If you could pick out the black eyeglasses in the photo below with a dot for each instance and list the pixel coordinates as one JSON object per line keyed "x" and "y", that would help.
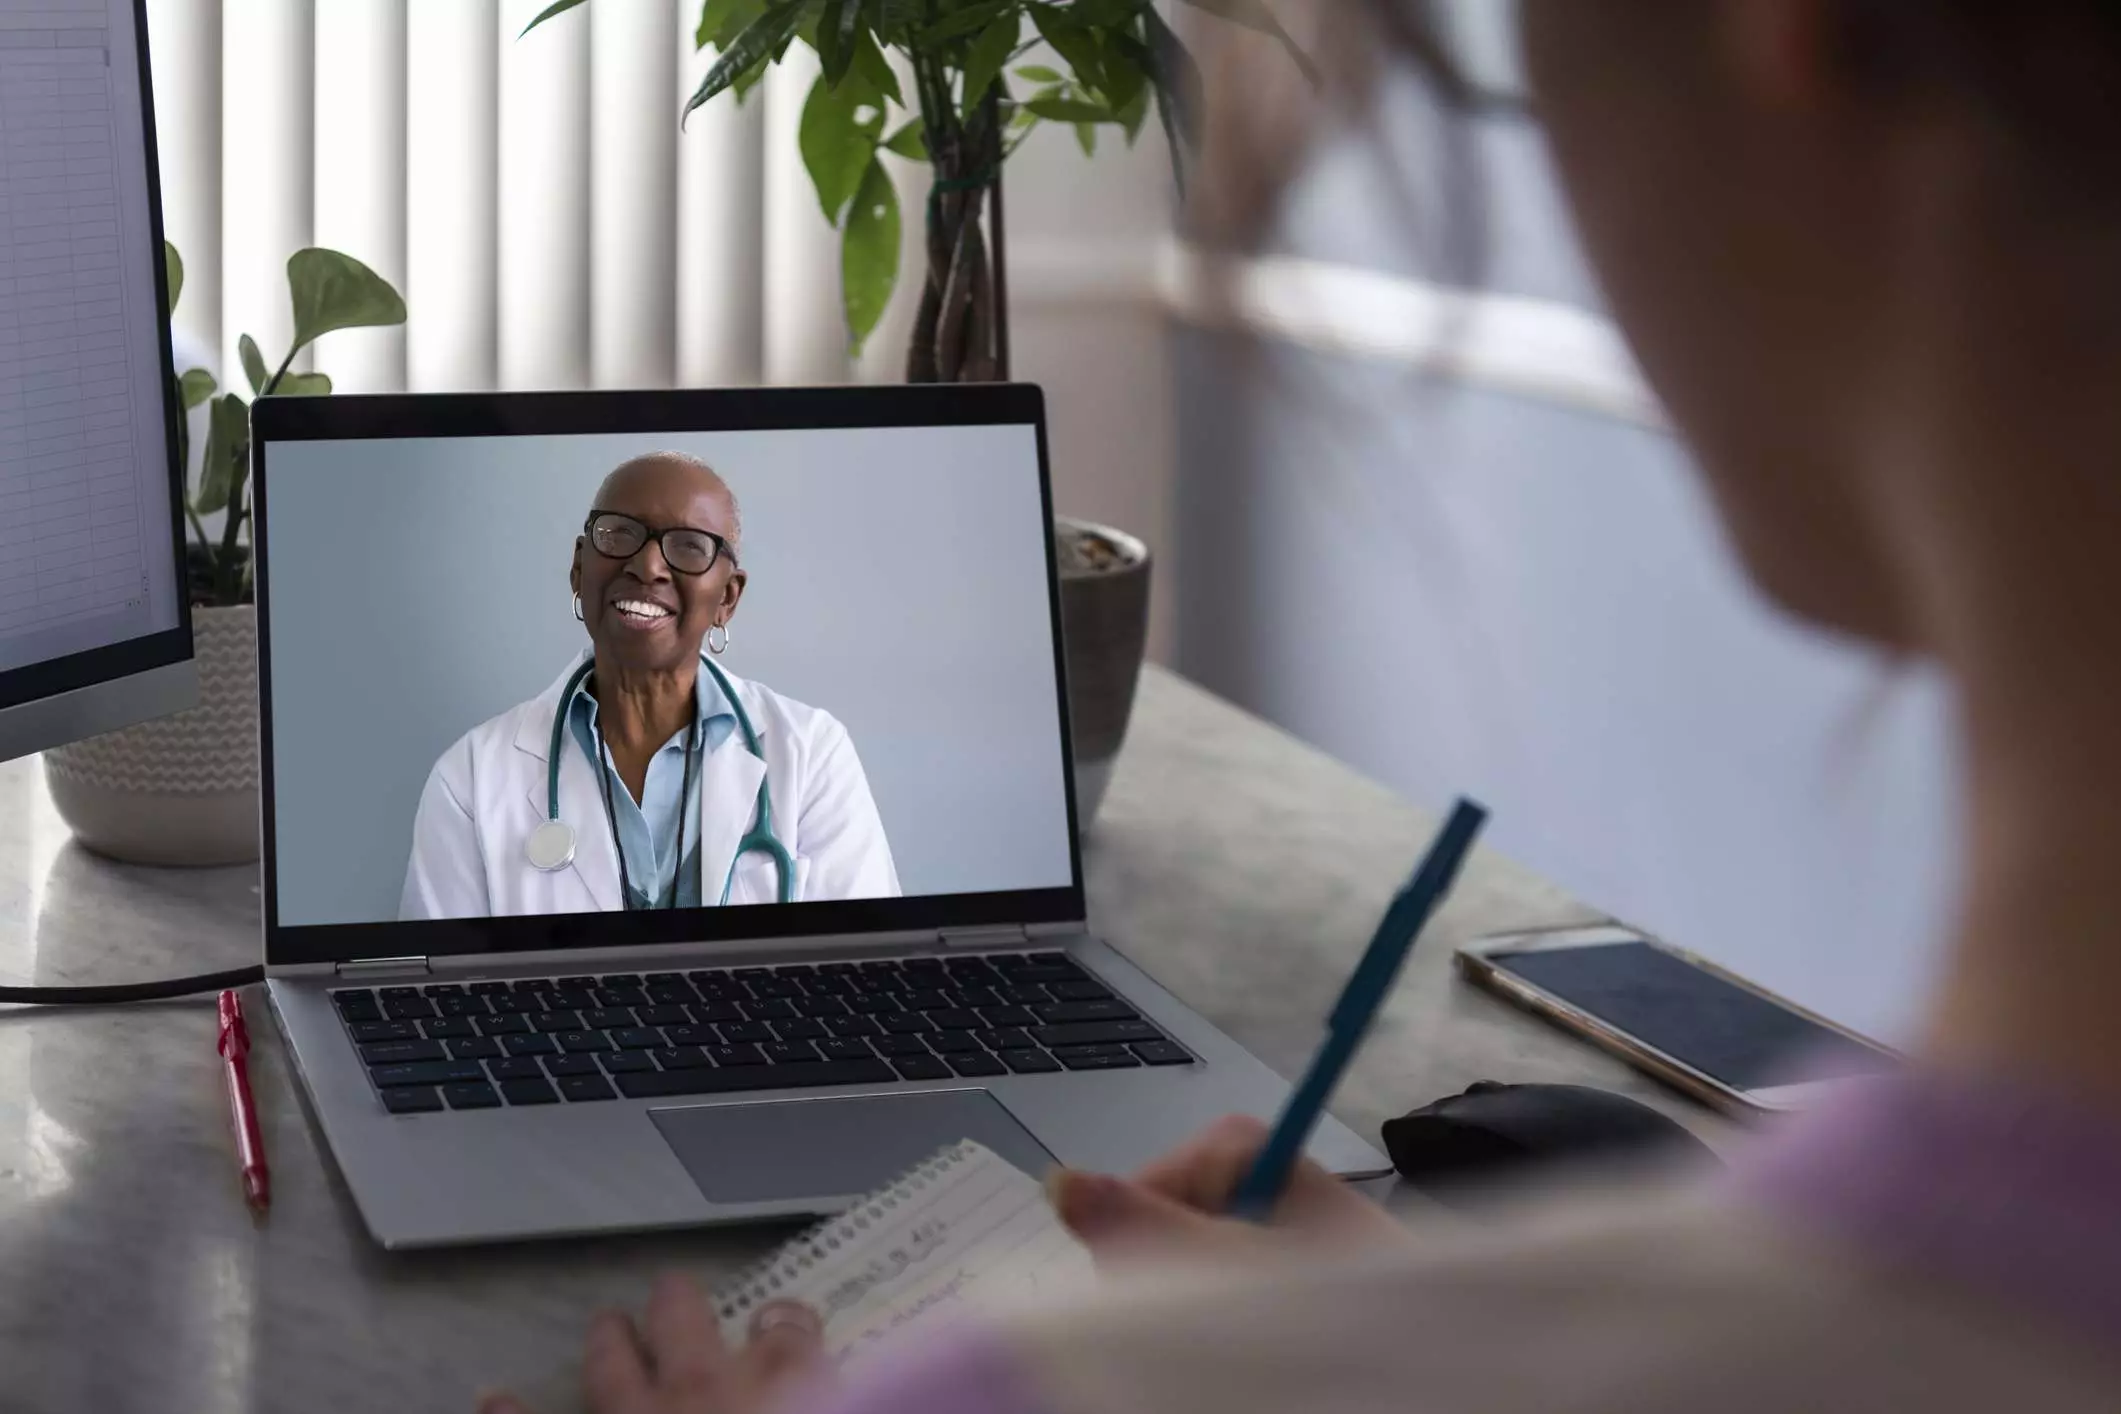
{"x": 620, "y": 537}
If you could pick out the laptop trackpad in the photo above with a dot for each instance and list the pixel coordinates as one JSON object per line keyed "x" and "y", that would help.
{"x": 839, "y": 1148}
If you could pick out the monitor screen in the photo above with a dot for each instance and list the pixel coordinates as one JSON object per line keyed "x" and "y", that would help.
{"x": 836, "y": 641}
{"x": 89, "y": 584}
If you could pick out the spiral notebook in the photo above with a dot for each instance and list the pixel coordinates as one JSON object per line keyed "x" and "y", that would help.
{"x": 964, "y": 1230}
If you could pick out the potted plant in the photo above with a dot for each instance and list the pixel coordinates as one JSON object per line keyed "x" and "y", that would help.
{"x": 183, "y": 789}
{"x": 971, "y": 103}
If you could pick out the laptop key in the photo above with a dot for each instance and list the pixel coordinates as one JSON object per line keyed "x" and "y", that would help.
{"x": 977, "y": 1064}
{"x": 775, "y": 1010}
{"x": 580, "y": 1042}
{"x": 682, "y": 1058}
{"x": 363, "y": 1031}
{"x": 1080, "y": 1058}
{"x": 476, "y": 1048}
{"x": 800, "y": 1029}
{"x": 1162, "y": 1053}
{"x": 1083, "y": 991}
{"x": 391, "y": 994}
{"x": 714, "y": 1013}
{"x": 872, "y": 1004}
{"x": 619, "y": 1062}
{"x": 920, "y": 1068}
{"x": 789, "y": 1052}
{"x": 1028, "y": 1060}
{"x": 692, "y": 1036}
{"x": 574, "y": 981}
{"x": 400, "y": 1052}
{"x": 514, "y": 1004}
{"x": 1023, "y": 996}
{"x": 427, "y": 1073}
{"x": 503, "y": 1025}
{"x": 899, "y": 1046}
{"x": 906, "y": 1023}
{"x": 448, "y": 1027}
{"x": 755, "y": 1077}
{"x": 637, "y": 1038}
{"x": 620, "y": 996}
{"x": 736, "y": 1055}
{"x": 671, "y": 993}
{"x": 559, "y": 1066}
{"x": 1005, "y": 1038}
{"x": 471, "y": 1097}
{"x": 855, "y": 1026}
{"x": 608, "y": 1018}
{"x": 1095, "y": 1033}
{"x": 1008, "y": 1016}
{"x": 571, "y": 1021}
{"x": 412, "y": 1100}
{"x": 656, "y": 979}
{"x": 925, "y": 999}
{"x": 746, "y": 1032}
{"x": 853, "y": 1049}
{"x": 529, "y": 1092}
{"x": 520, "y": 1069}
{"x": 945, "y": 1043}
{"x": 579, "y": 1088}
{"x": 954, "y": 1019}
{"x": 820, "y": 1006}
{"x": 353, "y": 997}
{"x": 975, "y": 997}
{"x": 829, "y": 985}
{"x": 407, "y": 1009}
{"x": 1060, "y": 1013}
{"x": 621, "y": 979}
{"x": 1041, "y": 973}
{"x": 529, "y": 1045}
{"x": 571, "y": 999}
{"x": 488, "y": 989}
{"x": 663, "y": 1016}
{"x": 767, "y": 988}
{"x": 452, "y": 1005}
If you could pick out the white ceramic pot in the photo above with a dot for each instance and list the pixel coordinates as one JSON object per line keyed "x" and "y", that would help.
{"x": 181, "y": 789}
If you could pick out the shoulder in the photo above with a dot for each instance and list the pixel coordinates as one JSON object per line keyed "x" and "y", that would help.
{"x": 1693, "y": 1304}
{"x": 492, "y": 742}
{"x": 813, "y": 727}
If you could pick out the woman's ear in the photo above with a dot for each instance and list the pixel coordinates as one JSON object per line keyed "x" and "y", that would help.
{"x": 731, "y": 592}
{"x": 574, "y": 569}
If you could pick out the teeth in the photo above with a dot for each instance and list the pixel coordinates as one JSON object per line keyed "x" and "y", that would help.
{"x": 635, "y": 609}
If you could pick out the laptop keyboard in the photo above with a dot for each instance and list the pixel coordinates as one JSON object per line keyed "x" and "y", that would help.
{"x": 573, "y": 1040}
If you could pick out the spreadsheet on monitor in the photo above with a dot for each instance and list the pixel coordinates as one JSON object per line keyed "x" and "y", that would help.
{"x": 86, "y": 558}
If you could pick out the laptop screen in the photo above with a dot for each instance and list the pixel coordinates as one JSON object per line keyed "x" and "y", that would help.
{"x": 559, "y": 674}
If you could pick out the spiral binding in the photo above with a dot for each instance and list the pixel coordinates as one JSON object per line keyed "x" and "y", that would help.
{"x": 762, "y": 1282}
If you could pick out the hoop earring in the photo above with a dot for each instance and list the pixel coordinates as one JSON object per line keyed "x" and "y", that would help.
{"x": 723, "y": 646}
{"x": 578, "y": 608}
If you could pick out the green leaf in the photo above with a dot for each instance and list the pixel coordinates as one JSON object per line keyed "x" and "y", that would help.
{"x": 869, "y": 254}
{"x": 874, "y": 70}
{"x": 1111, "y": 14}
{"x": 332, "y": 290}
{"x": 172, "y": 275}
{"x": 836, "y": 28}
{"x": 1254, "y": 14}
{"x": 1125, "y": 76}
{"x": 723, "y": 20}
{"x": 1134, "y": 113}
{"x": 298, "y": 385}
{"x": 838, "y": 136}
{"x": 1071, "y": 41}
{"x": 253, "y": 364}
{"x": 985, "y": 57}
{"x": 761, "y": 39}
{"x": 1172, "y": 70}
{"x": 970, "y": 20}
{"x": 908, "y": 141}
{"x": 557, "y": 7}
{"x": 1069, "y": 110}
{"x": 222, "y": 469}
{"x": 194, "y": 387}
{"x": 1086, "y": 134}
{"x": 1039, "y": 73}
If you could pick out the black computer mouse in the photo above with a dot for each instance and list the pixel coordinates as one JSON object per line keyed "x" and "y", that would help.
{"x": 1495, "y": 1132}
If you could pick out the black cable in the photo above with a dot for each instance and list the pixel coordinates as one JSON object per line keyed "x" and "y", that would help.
{"x": 115, "y": 993}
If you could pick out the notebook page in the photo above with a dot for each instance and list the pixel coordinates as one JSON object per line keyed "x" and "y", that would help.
{"x": 964, "y": 1231}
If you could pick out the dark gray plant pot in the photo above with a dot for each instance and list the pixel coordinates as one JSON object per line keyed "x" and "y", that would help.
{"x": 1104, "y": 591}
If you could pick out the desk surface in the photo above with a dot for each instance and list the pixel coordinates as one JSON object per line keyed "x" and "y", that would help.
{"x": 1237, "y": 865}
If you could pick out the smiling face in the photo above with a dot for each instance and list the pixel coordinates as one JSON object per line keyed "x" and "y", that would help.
{"x": 642, "y": 614}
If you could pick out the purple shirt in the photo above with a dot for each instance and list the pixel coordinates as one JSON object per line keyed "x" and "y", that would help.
{"x": 1999, "y": 1190}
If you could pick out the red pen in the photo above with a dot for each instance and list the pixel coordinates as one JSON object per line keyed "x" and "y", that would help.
{"x": 242, "y": 1108}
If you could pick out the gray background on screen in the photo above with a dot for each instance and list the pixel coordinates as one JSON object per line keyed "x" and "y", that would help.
{"x": 419, "y": 587}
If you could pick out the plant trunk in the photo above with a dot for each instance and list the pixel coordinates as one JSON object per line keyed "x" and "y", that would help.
{"x": 959, "y": 331}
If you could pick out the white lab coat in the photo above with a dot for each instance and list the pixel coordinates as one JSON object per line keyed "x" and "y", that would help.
{"x": 488, "y": 792}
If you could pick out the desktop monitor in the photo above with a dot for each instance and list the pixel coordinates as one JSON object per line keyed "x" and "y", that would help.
{"x": 95, "y": 631}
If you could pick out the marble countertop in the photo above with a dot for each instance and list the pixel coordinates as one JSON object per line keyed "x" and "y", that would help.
{"x": 1240, "y": 867}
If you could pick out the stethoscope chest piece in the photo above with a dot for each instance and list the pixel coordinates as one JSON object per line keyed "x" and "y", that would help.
{"x": 551, "y": 846}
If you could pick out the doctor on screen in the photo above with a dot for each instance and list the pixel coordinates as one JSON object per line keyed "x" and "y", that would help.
{"x": 647, "y": 776}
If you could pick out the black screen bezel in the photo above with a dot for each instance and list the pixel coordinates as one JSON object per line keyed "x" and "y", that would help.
{"x": 160, "y": 648}
{"x": 343, "y": 418}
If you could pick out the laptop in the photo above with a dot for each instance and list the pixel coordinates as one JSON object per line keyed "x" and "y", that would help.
{"x": 518, "y": 1004}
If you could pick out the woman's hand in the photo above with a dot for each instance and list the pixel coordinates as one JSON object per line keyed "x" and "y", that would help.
{"x": 675, "y": 1362}
{"x": 1171, "y": 1209}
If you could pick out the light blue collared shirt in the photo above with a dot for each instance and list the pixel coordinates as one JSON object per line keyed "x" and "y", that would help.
{"x": 647, "y": 832}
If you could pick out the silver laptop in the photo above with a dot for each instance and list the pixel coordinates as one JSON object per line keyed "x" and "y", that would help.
{"x": 533, "y": 989}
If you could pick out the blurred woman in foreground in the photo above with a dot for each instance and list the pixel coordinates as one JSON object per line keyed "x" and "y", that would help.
{"x": 1869, "y": 253}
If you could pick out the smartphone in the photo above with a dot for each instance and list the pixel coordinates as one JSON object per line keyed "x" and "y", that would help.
{"x": 1675, "y": 1016}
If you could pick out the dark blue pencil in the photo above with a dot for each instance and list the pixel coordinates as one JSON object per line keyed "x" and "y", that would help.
{"x": 1360, "y": 1001}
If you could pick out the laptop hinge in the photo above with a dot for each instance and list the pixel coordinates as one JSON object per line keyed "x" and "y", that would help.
{"x": 1008, "y": 935}
{"x": 371, "y": 968}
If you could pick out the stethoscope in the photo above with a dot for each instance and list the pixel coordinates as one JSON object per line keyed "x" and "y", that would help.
{"x": 551, "y": 845}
